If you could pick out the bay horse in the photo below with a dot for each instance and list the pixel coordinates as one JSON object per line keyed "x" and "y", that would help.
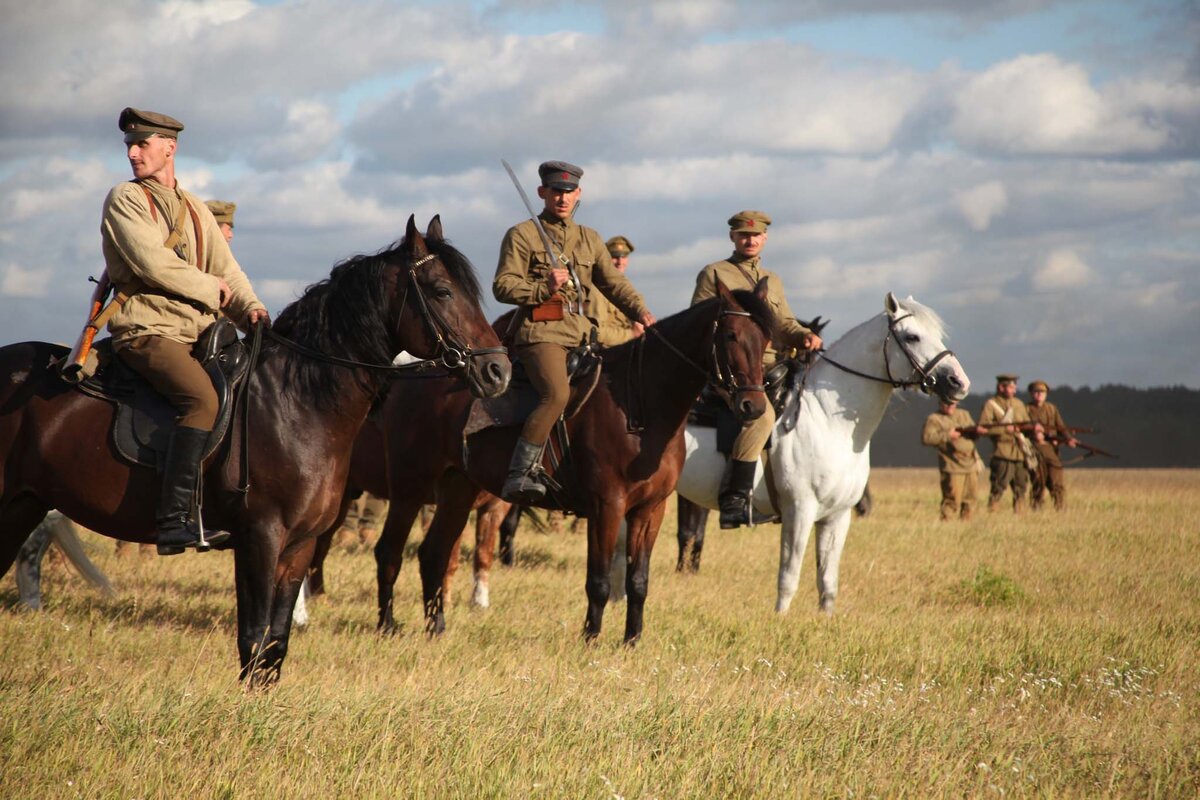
{"x": 820, "y": 459}
{"x": 627, "y": 476}
{"x": 328, "y": 355}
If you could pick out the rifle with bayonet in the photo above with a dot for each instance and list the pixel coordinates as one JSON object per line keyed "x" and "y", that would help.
{"x": 556, "y": 257}
{"x": 970, "y": 431}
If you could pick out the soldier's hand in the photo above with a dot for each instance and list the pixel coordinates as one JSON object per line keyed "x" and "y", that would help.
{"x": 1072, "y": 442}
{"x": 638, "y": 329}
{"x": 558, "y": 277}
{"x": 226, "y": 294}
{"x": 259, "y": 315}
{"x": 981, "y": 431}
{"x": 812, "y": 341}
{"x": 647, "y": 319}
{"x": 955, "y": 434}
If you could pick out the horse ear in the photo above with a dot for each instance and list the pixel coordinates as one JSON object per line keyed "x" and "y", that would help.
{"x": 434, "y": 231}
{"x": 413, "y": 242}
{"x": 760, "y": 289}
{"x": 890, "y": 304}
{"x": 724, "y": 293}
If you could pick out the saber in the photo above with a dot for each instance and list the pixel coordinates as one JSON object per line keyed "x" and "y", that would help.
{"x": 560, "y": 258}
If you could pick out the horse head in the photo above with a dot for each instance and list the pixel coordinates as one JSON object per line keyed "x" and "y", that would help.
{"x": 914, "y": 353}
{"x": 744, "y": 327}
{"x": 438, "y": 287}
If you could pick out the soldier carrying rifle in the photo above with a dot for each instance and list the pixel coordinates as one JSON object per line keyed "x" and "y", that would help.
{"x": 1012, "y": 456}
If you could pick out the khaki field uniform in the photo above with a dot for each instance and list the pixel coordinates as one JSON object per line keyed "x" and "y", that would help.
{"x": 173, "y": 299}
{"x": 1008, "y": 461}
{"x": 957, "y": 461}
{"x": 1050, "y": 463}
{"x": 522, "y": 279}
{"x": 613, "y": 327}
{"x": 736, "y": 272}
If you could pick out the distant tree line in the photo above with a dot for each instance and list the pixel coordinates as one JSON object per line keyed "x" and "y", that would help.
{"x": 1158, "y": 427}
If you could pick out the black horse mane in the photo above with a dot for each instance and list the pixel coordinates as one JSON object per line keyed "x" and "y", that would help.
{"x": 760, "y": 312}
{"x": 347, "y": 315}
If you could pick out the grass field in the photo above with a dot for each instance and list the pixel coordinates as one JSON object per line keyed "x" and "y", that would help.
{"x": 1050, "y": 655}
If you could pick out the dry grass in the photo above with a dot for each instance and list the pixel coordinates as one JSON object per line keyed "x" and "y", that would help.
{"x": 1045, "y": 656}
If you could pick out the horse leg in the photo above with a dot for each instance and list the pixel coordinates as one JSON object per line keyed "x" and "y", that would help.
{"x": 619, "y": 569}
{"x": 488, "y": 519}
{"x": 692, "y": 519}
{"x": 793, "y": 541}
{"x": 701, "y": 526}
{"x": 456, "y": 495}
{"x": 508, "y": 533}
{"x": 289, "y": 577}
{"x": 29, "y": 565}
{"x": 300, "y": 612}
{"x": 831, "y": 540}
{"x": 603, "y": 526}
{"x": 316, "y": 570}
{"x": 389, "y": 554}
{"x": 643, "y": 530}
{"x": 255, "y": 560}
{"x": 20, "y": 516}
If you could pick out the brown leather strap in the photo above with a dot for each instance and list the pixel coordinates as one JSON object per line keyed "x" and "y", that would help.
{"x": 177, "y": 229}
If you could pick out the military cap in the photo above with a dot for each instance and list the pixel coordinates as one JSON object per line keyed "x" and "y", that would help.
{"x": 560, "y": 175}
{"x": 1038, "y": 386}
{"x": 222, "y": 210}
{"x": 139, "y": 125}
{"x": 752, "y": 221}
{"x": 619, "y": 246}
{"x": 1006, "y": 378}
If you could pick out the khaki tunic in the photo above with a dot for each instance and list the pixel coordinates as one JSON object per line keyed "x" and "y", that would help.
{"x": 524, "y": 268}
{"x": 1052, "y": 422}
{"x": 1005, "y": 443}
{"x": 612, "y": 326}
{"x": 747, "y": 277}
{"x": 955, "y": 456}
{"x": 179, "y": 299}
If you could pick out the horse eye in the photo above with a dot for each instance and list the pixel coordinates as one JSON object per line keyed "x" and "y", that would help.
{"x": 911, "y": 338}
{"x": 442, "y": 293}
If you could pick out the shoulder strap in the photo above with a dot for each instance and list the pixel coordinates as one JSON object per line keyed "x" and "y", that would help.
{"x": 177, "y": 229}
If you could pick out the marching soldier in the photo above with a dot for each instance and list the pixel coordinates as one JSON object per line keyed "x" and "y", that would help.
{"x": 999, "y": 420}
{"x": 552, "y": 294}
{"x": 1054, "y": 431}
{"x": 958, "y": 461}
{"x": 743, "y": 270}
{"x": 164, "y": 251}
{"x": 223, "y": 213}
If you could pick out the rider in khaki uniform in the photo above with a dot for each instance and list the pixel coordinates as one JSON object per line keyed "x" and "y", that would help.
{"x": 1008, "y": 458}
{"x": 743, "y": 270}
{"x": 551, "y": 319}
{"x": 613, "y": 327}
{"x": 957, "y": 458}
{"x": 164, "y": 250}
{"x": 1051, "y": 466}
{"x": 222, "y": 212}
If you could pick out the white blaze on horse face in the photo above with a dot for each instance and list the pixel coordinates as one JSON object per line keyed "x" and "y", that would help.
{"x": 18, "y": 377}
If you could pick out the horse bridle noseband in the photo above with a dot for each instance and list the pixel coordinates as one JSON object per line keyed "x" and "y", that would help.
{"x": 450, "y": 353}
{"x": 725, "y": 379}
{"x": 927, "y": 380}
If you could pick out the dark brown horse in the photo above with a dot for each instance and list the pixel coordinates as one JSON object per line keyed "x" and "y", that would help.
{"x": 330, "y": 354}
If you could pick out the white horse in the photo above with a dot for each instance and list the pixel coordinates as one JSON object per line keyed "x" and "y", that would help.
{"x": 820, "y": 458}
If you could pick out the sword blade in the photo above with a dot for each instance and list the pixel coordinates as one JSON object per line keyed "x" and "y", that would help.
{"x": 561, "y": 259}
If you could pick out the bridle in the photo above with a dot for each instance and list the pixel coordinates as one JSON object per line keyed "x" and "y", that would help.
{"x": 926, "y": 381}
{"x": 451, "y": 354}
{"x": 725, "y": 379}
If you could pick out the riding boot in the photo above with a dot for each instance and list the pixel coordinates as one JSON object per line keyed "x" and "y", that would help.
{"x": 522, "y": 485}
{"x": 734, "y": 500}
{"x": 177, "y": 529}
{"x": 29, "y": 567}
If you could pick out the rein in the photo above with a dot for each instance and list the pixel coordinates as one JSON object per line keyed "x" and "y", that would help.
{"x": 926, "y": 382}
{"x": 725, "y": 378}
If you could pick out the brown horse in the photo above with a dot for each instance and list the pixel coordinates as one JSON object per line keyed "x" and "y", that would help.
{"x": 330, "y": 354}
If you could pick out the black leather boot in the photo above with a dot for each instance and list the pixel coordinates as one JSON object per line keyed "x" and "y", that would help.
{"x": 177, "y": 528}
{"x": 522, "y": 485}
{"x": 734, "y": 500}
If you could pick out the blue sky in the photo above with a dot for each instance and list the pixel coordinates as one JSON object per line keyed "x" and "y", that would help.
{"x": 1028, "y": 168}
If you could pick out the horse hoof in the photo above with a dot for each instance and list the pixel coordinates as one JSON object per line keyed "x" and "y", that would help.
{"x": 827, "y": 606}
{"x": 481, "y": 597}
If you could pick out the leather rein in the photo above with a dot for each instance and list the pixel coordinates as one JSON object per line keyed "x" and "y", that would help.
{"x": 926, "y": 381}
{"x": 451, "y": 354}
{"x": 725, "y": 378}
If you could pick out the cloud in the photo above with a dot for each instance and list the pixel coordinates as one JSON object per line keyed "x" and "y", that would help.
{"x": 1063, "y": 269}
{"x": 21, "y": 282}
{"x": 980, "y": 204}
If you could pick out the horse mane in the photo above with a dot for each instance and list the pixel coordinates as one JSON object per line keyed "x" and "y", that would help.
{"x": 925, "y": 315}
{"x": 348, "y": 315}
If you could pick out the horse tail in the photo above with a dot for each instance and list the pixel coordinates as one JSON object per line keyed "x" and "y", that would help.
{"x": 68, "y": 540}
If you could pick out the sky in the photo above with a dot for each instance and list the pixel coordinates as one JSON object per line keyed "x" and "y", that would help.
{"x": 1027, "y": 168}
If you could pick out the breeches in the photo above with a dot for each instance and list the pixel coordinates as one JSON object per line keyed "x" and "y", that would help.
{"x": 958, "y": 493}
{"x": 1006, "y": 474}
{"x": 168, "y": 366}
{"x": 546, "y": 365}
{"x": 752, "y": 438}
{"x": 1051, "y": 478}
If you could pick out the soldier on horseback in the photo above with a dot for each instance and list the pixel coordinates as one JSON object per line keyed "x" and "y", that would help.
{"x": 174, "y": 273}
{"x": 550, "y": 279}
{"x": 743, "y": 270}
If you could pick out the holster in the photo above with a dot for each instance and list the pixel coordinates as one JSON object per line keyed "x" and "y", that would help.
{"x": 549, "y": 311}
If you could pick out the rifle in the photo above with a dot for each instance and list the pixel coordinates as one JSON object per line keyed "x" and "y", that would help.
{"x": 74, "y": 368}
{"x": 1028, "y": 426}
{"x": 1088, "y": 449}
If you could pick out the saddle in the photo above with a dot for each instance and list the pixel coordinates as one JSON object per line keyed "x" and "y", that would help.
{"x": 516, "y": 404}
{"x": 144, "y": 419}
{"x": 784, "y": 384}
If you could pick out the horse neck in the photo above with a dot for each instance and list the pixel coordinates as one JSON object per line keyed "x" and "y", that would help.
{"x": 838, "y": 392}
{"x": 670, "y": 385}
